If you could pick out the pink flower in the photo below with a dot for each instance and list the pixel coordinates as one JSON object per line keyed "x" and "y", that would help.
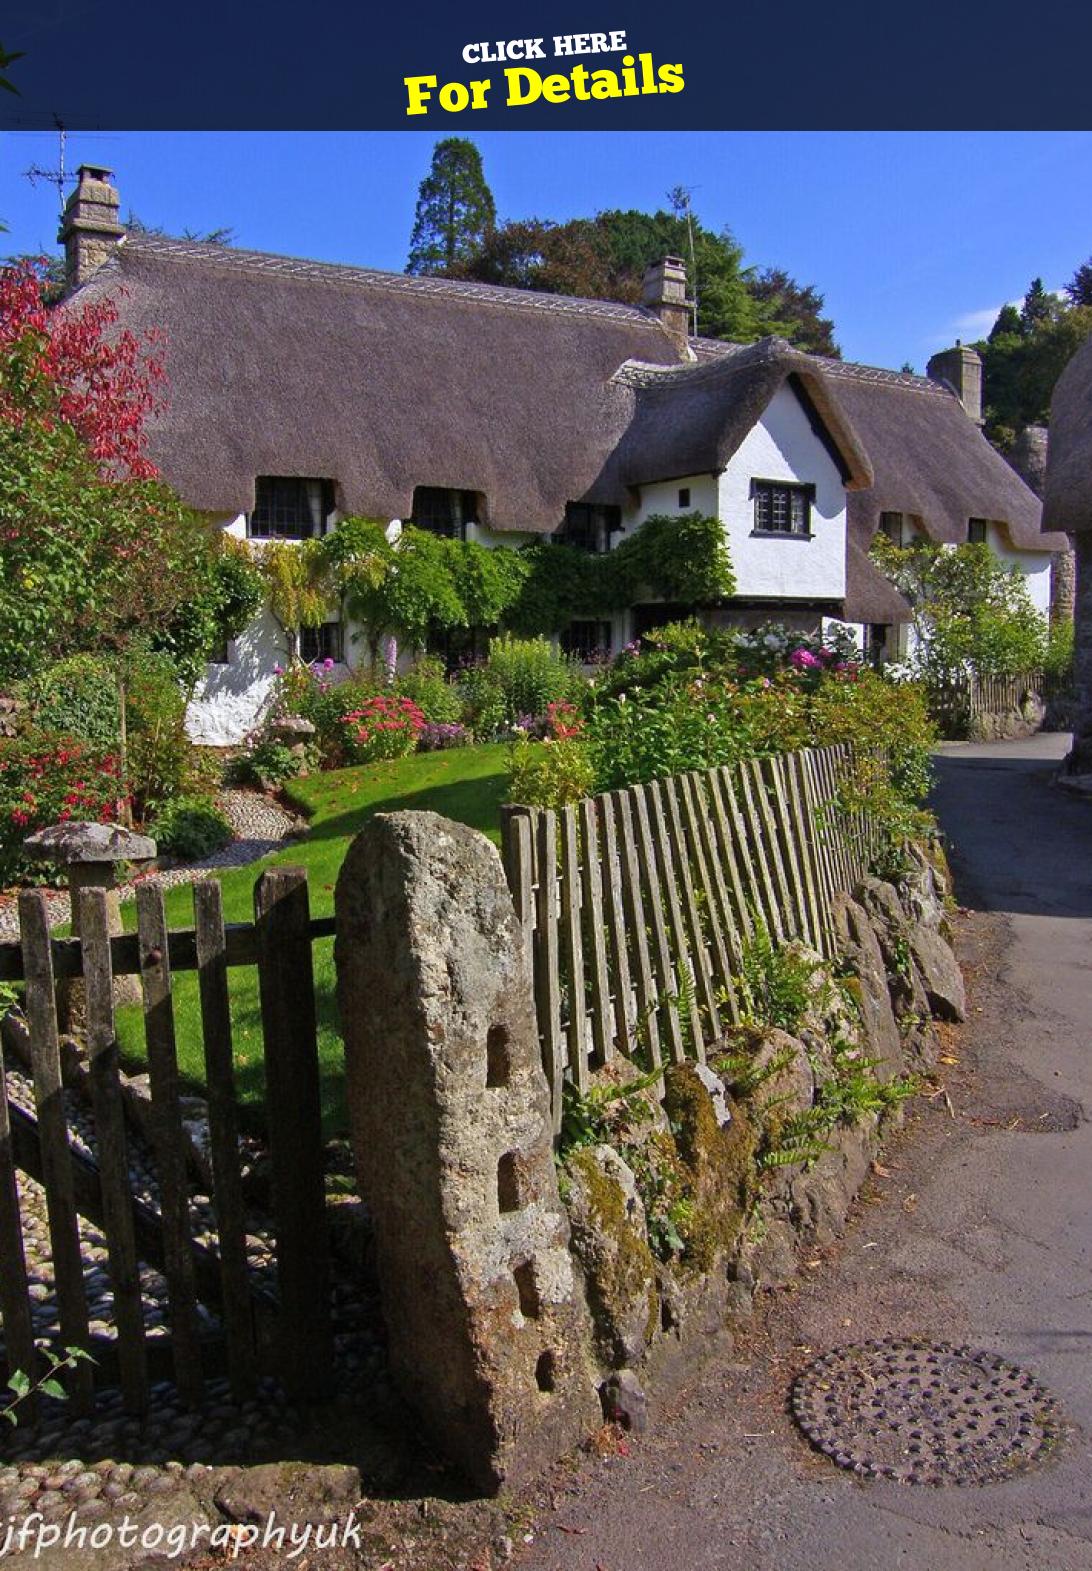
{"x": 803, "y": 660}
{"x": 327, "y": 664}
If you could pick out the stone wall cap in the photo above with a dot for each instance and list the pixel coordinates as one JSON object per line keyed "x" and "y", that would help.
{"x": 77, "y": 841}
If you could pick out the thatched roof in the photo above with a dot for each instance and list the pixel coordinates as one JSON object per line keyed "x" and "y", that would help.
{"x": 929, "y": 461}
{"x": 689, "y": 419}
{"x": 870, "y": 596}
{"x": 375, "y": 380}
{"x": 1068, "y": 502}
{"x": 383, "y": 382}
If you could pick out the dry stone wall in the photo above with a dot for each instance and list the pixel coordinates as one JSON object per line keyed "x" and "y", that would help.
{"x": 525, "y": 1300}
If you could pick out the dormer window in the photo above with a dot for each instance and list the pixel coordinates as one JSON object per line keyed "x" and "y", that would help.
{"x": 444, "y": 512}
{"x": 288, "y": 508}
{"x": 977, "y": 531}
{"x": 782, "y": 509}
{"x": 588, "y": 527}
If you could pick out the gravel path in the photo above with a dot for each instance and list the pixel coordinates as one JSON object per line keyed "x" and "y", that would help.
{"x": 261, "y": 825}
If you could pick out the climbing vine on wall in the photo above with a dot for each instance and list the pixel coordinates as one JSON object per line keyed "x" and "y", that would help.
{"x": 669, "y": 557}
{"x": 423, "y": 582}
{"x": 427, "y": 582}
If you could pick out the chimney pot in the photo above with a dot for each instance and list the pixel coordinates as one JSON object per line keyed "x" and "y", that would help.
{"x": 89, "y": 226}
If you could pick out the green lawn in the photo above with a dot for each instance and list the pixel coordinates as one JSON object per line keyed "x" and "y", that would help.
{"x": 467, "y": 784}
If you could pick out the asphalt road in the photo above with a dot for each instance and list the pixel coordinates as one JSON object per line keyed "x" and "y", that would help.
{"x": 977, "y": 1228}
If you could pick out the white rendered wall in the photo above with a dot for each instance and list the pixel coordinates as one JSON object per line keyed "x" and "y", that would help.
{"x": 232, "y": 697}
{"x": 1035, "y": 566}
{"x": 228, "y": 703}
{"x": 783, "y": 446}
{"x": 663, "y": 497}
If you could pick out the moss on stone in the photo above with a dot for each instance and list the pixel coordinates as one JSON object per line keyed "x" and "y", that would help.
{"x": 613, "y": 1249}
{"x": 718, "y": 1167}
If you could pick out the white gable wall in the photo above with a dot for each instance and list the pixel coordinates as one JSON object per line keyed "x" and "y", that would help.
{"x": 783, "y": 446}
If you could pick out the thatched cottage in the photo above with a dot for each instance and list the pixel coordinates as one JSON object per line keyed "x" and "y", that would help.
{"x": 1068, "y": 506}
{"x": 301, "y": 392}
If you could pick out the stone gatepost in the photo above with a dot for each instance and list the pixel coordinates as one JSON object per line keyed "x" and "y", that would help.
{"x": 486, "y": 1320}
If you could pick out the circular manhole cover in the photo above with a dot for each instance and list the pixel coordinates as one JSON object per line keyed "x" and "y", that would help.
{"x": 924, "y": 1412}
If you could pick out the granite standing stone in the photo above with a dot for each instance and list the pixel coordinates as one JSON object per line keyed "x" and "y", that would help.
{"x": 489, "y": 1337}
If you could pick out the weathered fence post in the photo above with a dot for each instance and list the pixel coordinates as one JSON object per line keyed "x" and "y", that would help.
{"x": 113, "y": 1158}
{"x": 14, "y": 1286}
{"x": 40, "y": 1004}
{"x": 452, "y": 1131}
{"x": 286, "y": 987}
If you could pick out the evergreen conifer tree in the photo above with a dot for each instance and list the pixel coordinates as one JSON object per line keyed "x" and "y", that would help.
{"x": 455, "y": 208}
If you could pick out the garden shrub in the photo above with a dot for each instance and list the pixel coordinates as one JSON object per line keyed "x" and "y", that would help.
{"x": 647, "y": 734}
{"x": 1058, "y": 660}
{"x": 312, "y": 692}
{"x": 76, "y": 697}
{"x": 530, "y": 674}
{"x": 482, "y": 702}
{"x": 674, "y": 648}
{"x": 549, "y": 774}
{"x": 970, "y": 610}
{"x": 385, "y": 726}
{"x": 191, "y": 828}
{"x": 266, "y": 764}
{"x": 48, "y": 778}
{"x": 427, "y": 684}
{"x": 871, "y": 712}
{"x": 163, "y": 762}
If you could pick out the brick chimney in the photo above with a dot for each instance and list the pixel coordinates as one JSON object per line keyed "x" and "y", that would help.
{"x": 961, "y": 370}
{"x": 89, "y": 226}
{"x": 663, "y": 291}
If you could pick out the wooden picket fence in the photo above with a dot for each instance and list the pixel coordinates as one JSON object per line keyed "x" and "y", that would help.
{"x": 955, "y": 705}
{"x": 636, "y": 905}
{"x": 288, "y": 1333}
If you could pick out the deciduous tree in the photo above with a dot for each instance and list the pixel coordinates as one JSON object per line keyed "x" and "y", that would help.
{"x": 97, "y": 555}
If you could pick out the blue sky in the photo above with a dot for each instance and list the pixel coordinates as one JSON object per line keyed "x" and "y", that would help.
{"x": 915, "y": 238}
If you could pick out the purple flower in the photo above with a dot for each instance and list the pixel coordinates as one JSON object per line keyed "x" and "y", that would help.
{"x": 804, "y": 660}
{"x": 441, "y": 734}
{"x": 327, "y": 664}
{"x": 278, "y": 670}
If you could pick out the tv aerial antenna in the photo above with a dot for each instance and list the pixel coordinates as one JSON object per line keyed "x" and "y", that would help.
{"x": 680, "y": 198}
{"x": 58, "y": 176}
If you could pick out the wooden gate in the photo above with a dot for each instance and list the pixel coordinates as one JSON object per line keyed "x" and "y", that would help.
{"x": 286, "y": 1331}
